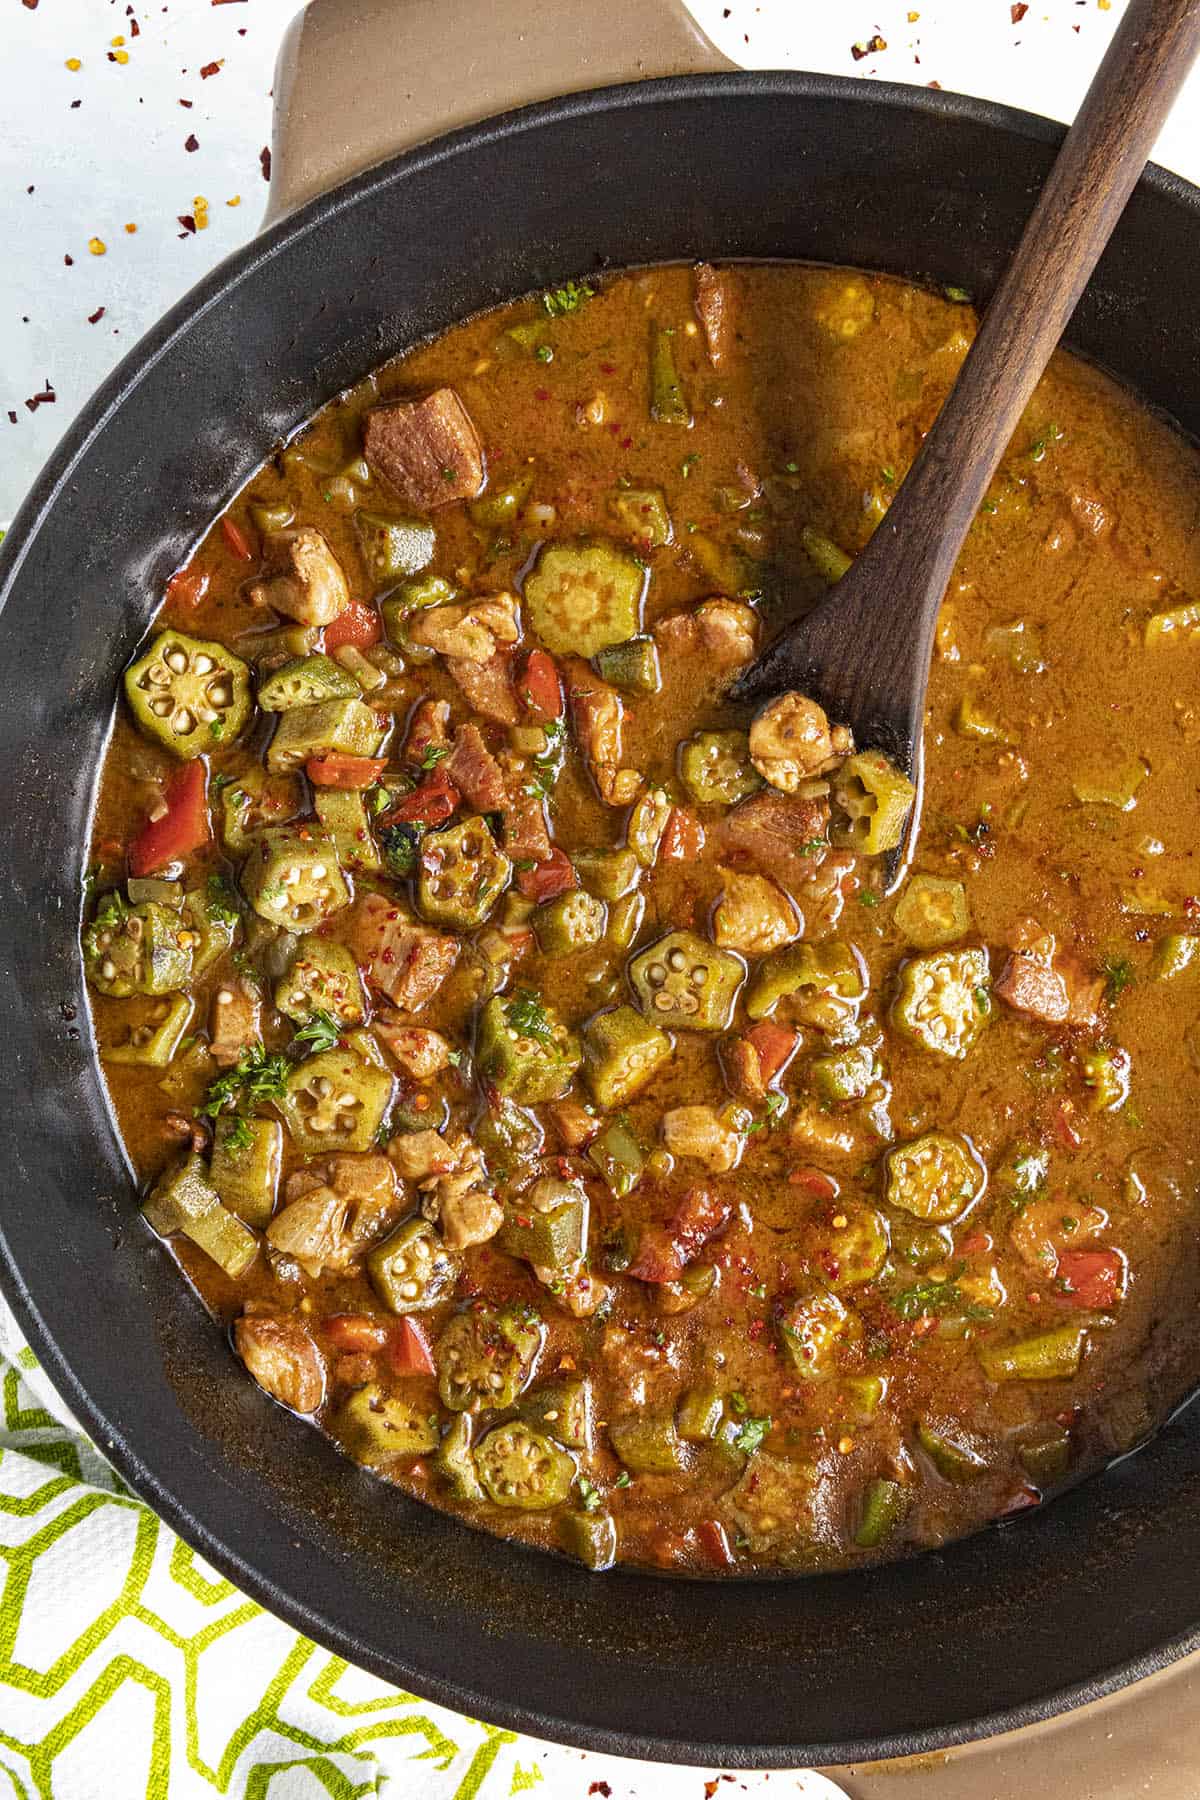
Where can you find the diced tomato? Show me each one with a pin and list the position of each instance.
(699, 1216)
(186, 589)
(338, 770)
(1064, 1126)
(182, 828)
(556, 875)
(658, 1259)
(815, 1182)
(682, 839)
(713, 1544)
(430, 804)
(540, 688)
(357, 624)
(408, 1349)
(236, 539)
(356, 1332)
(774, 1046)
(1093, 1280)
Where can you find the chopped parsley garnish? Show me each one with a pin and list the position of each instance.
(256, 1075)
(1118, 975)
(544, 354)
(449, 473)
(217, 729)
(738, 1403)
(868, 897)
(589, 1494)
(546, 767)
(526, 1015)
(624, 1479)
(960, 295)
(320, 1032)
(400, 845)
(560, 301)
(888, 475)
(1037, 449)
(237, 1135)
(220, 900)
(750, 1434)
(935, 1298)
(434, 754)
(111, 911)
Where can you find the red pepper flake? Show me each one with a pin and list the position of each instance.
(12, 417)
(95, 318)
(31, 4)
(186, 103)
(70, 261)
(135, 29)
(47, 397)
(602, 1788)
(74, 104)
(872, 45)
(210, 69)
(188, 223)
(1018, 11)
(264, 157)
(191, 141)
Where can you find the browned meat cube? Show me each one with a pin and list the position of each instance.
(488, 686)
(525, 835)
(475, 772)
(402, 959)
(598, 717)
(783, 833)
(283, 1359)
(428, 729)
(428, 449)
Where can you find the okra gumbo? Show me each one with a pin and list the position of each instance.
(514, 1039)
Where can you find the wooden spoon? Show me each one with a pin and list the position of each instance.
(863, 651)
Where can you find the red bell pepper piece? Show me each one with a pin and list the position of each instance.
(540, 687)
(556, 875)
(699, 1216)
(713, 1544)
(815, 1182)
(408, 1349)
(357, 624)
(236, 539)
(337, 769)
(683, 837)
(356, 1332)
(430, 804)
(186, 589)
(774, 1046)
(182, 828)
(1093, 1280)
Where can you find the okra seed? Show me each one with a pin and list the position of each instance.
(219, 694)
(161, 706)
(224, 997)
(108, 968)
(204, 664)
(183, 722)
(410, 1289)
(177, 661)
(676, 959)
(347, 1100)
(157, 677)
(656, 975)
(663, 1002)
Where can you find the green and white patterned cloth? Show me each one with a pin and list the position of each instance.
(130, 1668)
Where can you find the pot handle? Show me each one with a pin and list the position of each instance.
(358, 80)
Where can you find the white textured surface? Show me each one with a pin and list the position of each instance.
(70, 173)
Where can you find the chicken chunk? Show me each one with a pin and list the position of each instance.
(475, 772)
(753, 915)
(575, 1125)
(233, 1021)
(428, 449)
(791, 741)
(283, 1359)
(719, 633)
(526, 835)
(598, 717)
(1045, 1228)
(401, 958)
(784, 834)
(701, 1133)
(420, 1053)
(471, 1218)
(714, 309)
(328, 1228)
(451, 1175)
(469, 631)
(304, 578)
(1046, 983)
(421, 1154)
(487, 686)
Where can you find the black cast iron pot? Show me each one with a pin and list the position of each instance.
(1008, 1626)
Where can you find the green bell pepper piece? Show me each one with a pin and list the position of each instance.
(153, 1044)
(569, 923)
(864, 1396)
(632, 666)
(185, 1200)
(322, 977)
(830, 968)
(524, 1050)
(943, 1001)
(136, 949)
(563, 1409)
(643, 512)
(1052, 1355)
(462, 873)
(683, 981)
(935, 1177)
(245, 1166)
(715, 768)
(582, 597)
(618, 1156)
(826, 557)
(647, 1443)
(1172, 955)
(293, 879)
(499, 507)
(455, 1460)
(555, 1238)
(412, 1269)
(485, 1357)
(875, 799)
(347, 726)
(271, 649)
(954, 1458)
(1045, 1455)
(933, 911)
(668, 400)
(521, 1469)
(623, 1051)
(590, 1537)
(393, 548)
(335, 1101)
(188, 693)
(375, 1428)
(253, 802)
(1106, 1077)
(884, 1506)
(812, 1330)
(698, 1415)
(609, 874)
(307, 681)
